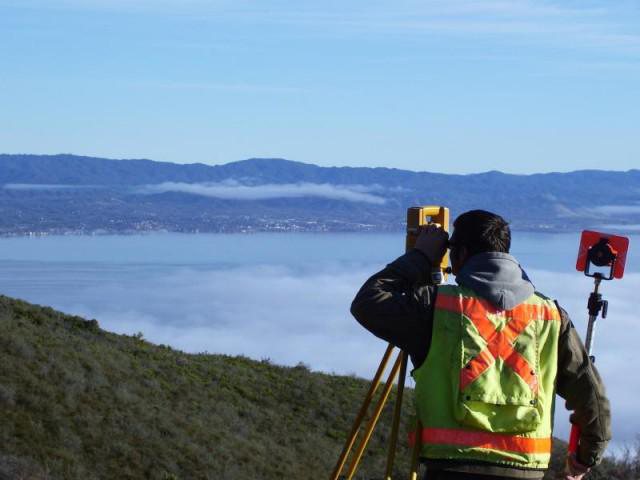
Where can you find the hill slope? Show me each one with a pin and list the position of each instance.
(67, 193)
(77, 402)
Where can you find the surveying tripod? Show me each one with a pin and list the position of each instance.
(417, 217)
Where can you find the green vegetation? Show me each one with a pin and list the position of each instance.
(77, 402)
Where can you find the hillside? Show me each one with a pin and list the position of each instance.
(72, 194)
(77, 402)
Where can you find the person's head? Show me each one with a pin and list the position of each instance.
(478, 231)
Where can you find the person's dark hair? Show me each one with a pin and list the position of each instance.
(481, 231)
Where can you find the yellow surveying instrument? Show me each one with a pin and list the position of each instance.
(417, 217)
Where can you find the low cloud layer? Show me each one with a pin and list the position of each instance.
(618, 209)
(264, 312)
(615, 342)
(232, 190)
(301, 314)
(621, 227)
(45, 186)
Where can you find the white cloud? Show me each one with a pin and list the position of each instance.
(597, 25)
(301, 313)
(122, 5)
(223, 87)
(232, 190)
(621, 227)
(615, 341)
(617, 209)
(262, 311)
(563, 211)
(44, 186)
(291, 315)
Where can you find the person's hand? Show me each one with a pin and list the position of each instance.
(432, 241)
(573, 469)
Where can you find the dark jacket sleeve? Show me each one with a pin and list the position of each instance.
(396, 305)
(579, 383)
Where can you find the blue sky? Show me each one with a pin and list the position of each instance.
(448, 85)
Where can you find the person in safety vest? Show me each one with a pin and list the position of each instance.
(490, 353)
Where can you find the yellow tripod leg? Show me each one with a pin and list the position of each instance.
(393, 442)
(361, 414)
(415, 453)
(374, 418)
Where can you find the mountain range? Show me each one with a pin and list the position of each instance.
(45, 194)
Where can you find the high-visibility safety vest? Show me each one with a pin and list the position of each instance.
(486, 390)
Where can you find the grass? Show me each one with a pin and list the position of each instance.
(77, 402)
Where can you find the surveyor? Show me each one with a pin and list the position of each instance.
(489, 354)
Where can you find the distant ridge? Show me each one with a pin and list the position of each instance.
(29, 168)
(37, 195)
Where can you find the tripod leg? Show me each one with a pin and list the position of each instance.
(363, 411)
(374, 418)
(396, 417)
(415, 453)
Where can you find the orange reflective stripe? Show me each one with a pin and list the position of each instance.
(475, 368)
(499, 343)
(488, 440)
(477, 313)
(524, 370)
(454, 304)
(502, 346)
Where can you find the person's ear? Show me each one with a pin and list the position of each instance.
(458, 256)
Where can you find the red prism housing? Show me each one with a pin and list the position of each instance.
(618, 246)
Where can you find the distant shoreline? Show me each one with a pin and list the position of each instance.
(44, 195)
(626, 230)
